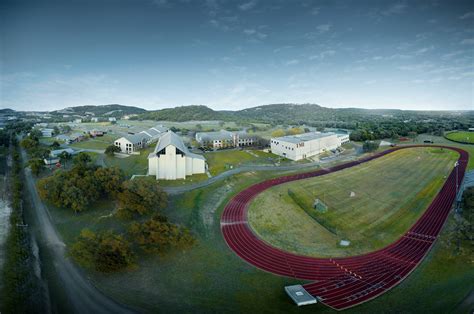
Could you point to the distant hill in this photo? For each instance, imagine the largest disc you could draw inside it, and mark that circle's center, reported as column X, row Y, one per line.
column 274, row 113
column 104, row 110
column 185, row 113
column 7, row 111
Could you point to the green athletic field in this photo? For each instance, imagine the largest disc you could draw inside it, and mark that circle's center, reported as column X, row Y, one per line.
column 461, row 136
column 370, row 205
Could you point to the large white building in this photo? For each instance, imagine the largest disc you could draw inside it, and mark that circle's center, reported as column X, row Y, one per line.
column 301, row 146
column 172, row 160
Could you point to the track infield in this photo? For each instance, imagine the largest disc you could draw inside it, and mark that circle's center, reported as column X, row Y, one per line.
column 343, row 282
column 371, row 205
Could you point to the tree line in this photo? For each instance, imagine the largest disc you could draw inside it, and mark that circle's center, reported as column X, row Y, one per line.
column 80, row 187
column 20, row 290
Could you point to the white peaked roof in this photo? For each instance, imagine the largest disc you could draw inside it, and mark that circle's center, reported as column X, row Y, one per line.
column 171, row 138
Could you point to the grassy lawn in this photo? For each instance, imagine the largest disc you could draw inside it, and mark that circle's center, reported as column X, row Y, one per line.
column 438, row 140
column 133, row 164
column 223, row 160
column 189, row 179
column 100, row 142
column 220, row 161
column 461, row 136
column 390, row 193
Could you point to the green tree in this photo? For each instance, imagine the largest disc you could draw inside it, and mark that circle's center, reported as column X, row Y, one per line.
column 82, row 159
column 278, row 133
column 141, row 196
column 111, row 149
column 64, row 157
column 295, row 131
column 28, row 143
column 36, row 166
column 110, row 180
column 370, row 146
column 35, row 134
column 56, row 130
column 66, row 128
column 105, row 252
column 158, row 235
column 55, row 145
column 75, row 189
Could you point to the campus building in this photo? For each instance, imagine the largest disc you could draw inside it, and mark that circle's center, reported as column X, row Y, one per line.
column 132, row 143
column 47, row 132
column 172, row 160
column 154, row 133
column 225, row 139
column 301, row 146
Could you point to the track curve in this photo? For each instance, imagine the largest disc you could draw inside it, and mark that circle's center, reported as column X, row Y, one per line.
column 343, row 282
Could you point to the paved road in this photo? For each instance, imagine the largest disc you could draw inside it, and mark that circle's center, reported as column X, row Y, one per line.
column 82, row 295
column 98, row 151
column 226, row 174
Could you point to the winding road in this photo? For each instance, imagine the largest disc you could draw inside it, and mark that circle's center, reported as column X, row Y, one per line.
column 83, row 297
column 343, row 282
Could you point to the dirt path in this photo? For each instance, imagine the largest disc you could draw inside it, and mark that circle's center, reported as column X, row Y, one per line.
column 83, row 297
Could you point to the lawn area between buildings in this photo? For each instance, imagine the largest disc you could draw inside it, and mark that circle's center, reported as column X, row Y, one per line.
column 223, row 160
column 132, row 164
column 209, row 277
column 461, row 136
column 100, row 142
column 370, row 205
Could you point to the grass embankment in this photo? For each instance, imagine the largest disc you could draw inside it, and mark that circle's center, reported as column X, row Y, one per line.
column 461, row 137
column 370, row 205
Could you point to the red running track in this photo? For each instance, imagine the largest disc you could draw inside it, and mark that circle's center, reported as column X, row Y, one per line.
column 342, row 282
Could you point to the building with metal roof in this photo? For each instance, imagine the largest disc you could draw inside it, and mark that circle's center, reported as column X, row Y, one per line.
column 154, row 133
column 224, row 138
column 172, row 160
column 131, row 143
column 301, row 146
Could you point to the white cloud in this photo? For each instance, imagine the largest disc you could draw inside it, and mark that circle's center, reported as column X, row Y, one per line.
column 468, row 15
column 292, row 62
column 161, row 3
column 315, row 11
column 395, row 9
column 423, row 50
column 253, row 32
column 323, row 54
column 248, row 5
column 249, row 31
column 323, row 28
column 467, row 41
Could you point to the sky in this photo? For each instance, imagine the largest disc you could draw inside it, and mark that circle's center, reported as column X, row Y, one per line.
column 231, row 55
